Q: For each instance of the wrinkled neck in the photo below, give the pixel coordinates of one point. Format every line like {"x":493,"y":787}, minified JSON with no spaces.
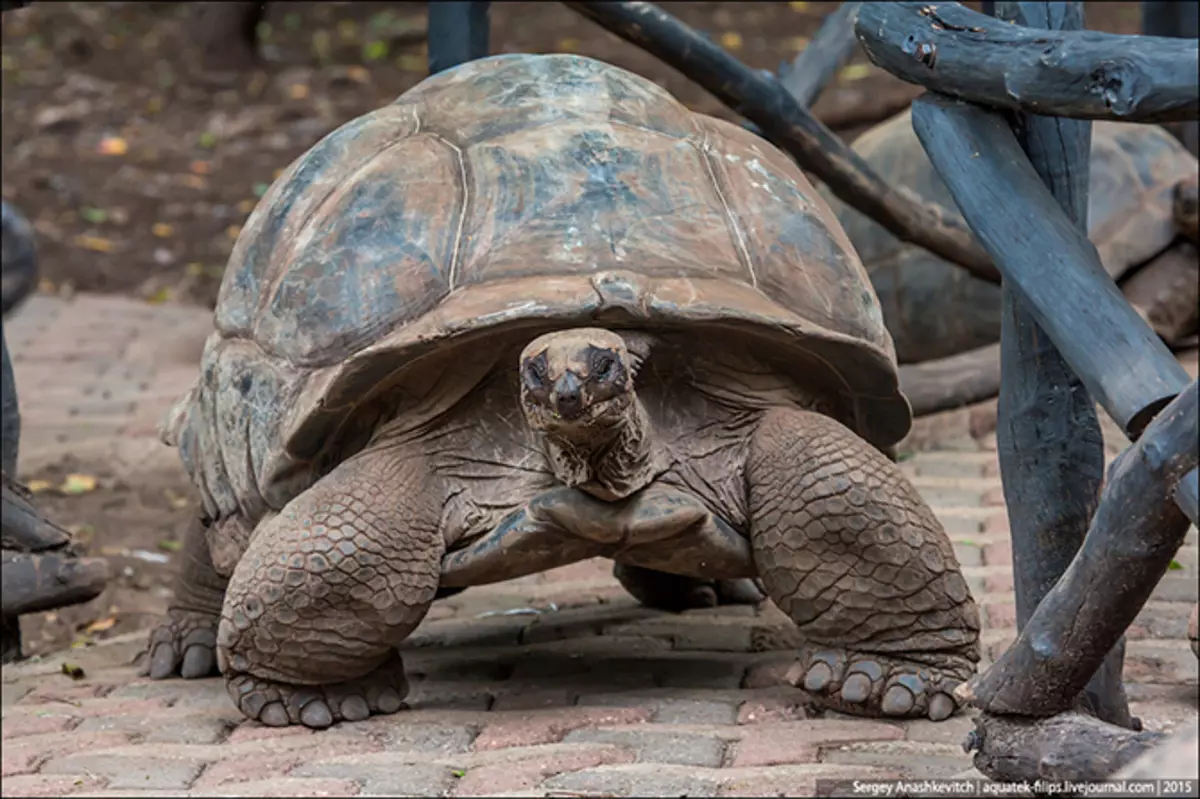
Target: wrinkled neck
{"x":609,"y":463}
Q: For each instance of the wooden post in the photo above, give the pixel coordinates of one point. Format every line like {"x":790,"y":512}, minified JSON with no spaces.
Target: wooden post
{"x":1049,"y":261}
{"x":1077,"y":74}
{"x":1136,"y":531}
{"x":458,"y":32}
{"x":1048,"y":437}
{"x":762,"y":100}
{"x":811,"y":71}
{"x":1182,"y":20}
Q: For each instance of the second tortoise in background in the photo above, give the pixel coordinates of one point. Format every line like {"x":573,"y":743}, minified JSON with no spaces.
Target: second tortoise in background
{"x":1145,"y":238}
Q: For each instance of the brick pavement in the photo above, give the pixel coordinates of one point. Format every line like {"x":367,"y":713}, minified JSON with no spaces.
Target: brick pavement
{"x":554,"y":684}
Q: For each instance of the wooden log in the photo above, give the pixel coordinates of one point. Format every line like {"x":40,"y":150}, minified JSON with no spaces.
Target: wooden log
{"x":1187,"y":496}
{"x":762,"y":100}
{"x":1173,"y":759}
{"x":1080,"y":74}
{"x":1136,"y":531}
{"x":1186,"y":209}
{"x":34,"y":582}
{"x":10,"y":413}
{"x":1048,"y":260}
{"x":832,"y":46}
{"x":22,"y":527}
{"x":1048,"y":438}
{"x":1070,"y":746}
{"x":943,"y":384}
{"x":458,"y":32}
{"x":1165,"y":292}
{"x":1180,"y":19}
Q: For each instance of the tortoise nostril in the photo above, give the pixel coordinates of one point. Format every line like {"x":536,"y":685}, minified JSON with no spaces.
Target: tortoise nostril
{"x":568,"y":395}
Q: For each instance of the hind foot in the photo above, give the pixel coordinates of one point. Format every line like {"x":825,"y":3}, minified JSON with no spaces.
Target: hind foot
{"x":278,"y":704}
{"x":868,"y":684}
{"x":184,"y":646}
{"x":674,"y":592}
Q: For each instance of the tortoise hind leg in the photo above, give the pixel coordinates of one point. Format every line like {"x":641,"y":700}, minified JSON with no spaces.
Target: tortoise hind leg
{"x":675,"y":593}
{"x":185,"y":644}
{"x":327,"y":590}
{"x":847,"y":548}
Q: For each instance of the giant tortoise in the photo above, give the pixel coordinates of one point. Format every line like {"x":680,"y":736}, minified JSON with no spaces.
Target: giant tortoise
{"x":536,"y":311}
{"x":934,"y":309}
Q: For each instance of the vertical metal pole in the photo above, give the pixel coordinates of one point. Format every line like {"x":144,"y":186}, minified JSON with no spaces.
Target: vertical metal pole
{"x":1180,"y":19}
{"x":1048,"y":436}
{"x":458,"y":32}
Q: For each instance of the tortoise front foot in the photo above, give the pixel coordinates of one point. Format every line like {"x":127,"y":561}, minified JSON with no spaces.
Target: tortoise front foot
{"x":864,"y":684}
{"x":675,"y":593}
{"x":278,"y":704}
{"x":847,"y":548}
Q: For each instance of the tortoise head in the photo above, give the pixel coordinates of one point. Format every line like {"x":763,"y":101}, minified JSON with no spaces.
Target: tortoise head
{"x":577,"y":383}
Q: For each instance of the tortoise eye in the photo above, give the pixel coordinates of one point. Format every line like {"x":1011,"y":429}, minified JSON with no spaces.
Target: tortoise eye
{"x":603,"y":366}
{"x":535,"y":374}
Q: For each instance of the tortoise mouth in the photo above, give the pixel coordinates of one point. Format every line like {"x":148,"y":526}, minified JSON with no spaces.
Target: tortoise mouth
{"x":584,"y":421}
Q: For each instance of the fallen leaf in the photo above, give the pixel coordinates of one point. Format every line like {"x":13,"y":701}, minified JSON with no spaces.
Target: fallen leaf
{"x":113,"y":145}
{"x":38,"y":486}
{"x":162,"y":230}
{"x":179,"y":502}
{"x":159,"y":297}
{"x":95,"y":216}
{"x":100,"y":625}
{"x":1175,"y":566}
{"x":568,"y":45}
{"x":855,"y":72}
{"x":375,"y":51}
{"x":193,"y":182}
{"x":201,"y":167}
{"x":154,"y":105}
{"x":94,"y":243}
{"x":233,"y":231}
{"x":275,"y":175}
{"x":358,"y":74}
{"x":78,"y":484}
{"x":246,"y":206}
{"x":798,"y":7}
{"x":73,"y":671}
{"x":170,"y":545}
{"x":347,"y":29}
{"x":207,"y":139}
{"x":798,"y":43}
{"x":731,"y":40}
{"x":298,"y":91}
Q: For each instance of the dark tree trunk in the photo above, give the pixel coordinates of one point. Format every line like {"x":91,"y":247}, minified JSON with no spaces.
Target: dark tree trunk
{"x":1179,"y":18}
{"x":811,"y":71}
{"x":458,"y":33}
{"x":228,"y":34}
{"x":1049,"y":261}
{"x":1048,"y":438}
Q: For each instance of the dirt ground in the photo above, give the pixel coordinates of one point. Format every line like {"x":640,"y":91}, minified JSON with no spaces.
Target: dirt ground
{"x":137,"y":169}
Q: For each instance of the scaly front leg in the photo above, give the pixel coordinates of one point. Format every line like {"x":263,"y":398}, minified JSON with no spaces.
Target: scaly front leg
{"x":848,"y":549}
{"x":328,"y":589}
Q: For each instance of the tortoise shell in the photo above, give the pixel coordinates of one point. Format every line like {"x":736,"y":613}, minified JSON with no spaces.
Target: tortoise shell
{"x":518,"y":192}
{"x":934,"y":309}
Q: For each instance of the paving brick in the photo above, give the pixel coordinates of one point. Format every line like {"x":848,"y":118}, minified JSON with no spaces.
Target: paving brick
{"x":696,"y":711}
{"x":638,"y":779}
{"x":768,"y":673}
{"x":997,"y":554}
{"x":11,"y":693}
{"x":771,"y":709}
{"x":999,"y":615}
{"x":659,"y":745}
{"x":384,"y":779}
{"x":155,"y":729}
{"x":398,"y":733}
{"x":25,"y":755}
{"x":800,"y":741}
{"x":910,"y":758}
{"x":67,"y":692}
{"x":291,"y":786}
{"x":551,"y":726}
{"x":50,"y":784}
{"x":244,"y":767}
{"x":17,"y":726}
{"x":532,"y":770}
{"x":948,"y":731}
{"x":253,"y":731}
{"x":796,"y":780}
{"x":144,"y":772}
